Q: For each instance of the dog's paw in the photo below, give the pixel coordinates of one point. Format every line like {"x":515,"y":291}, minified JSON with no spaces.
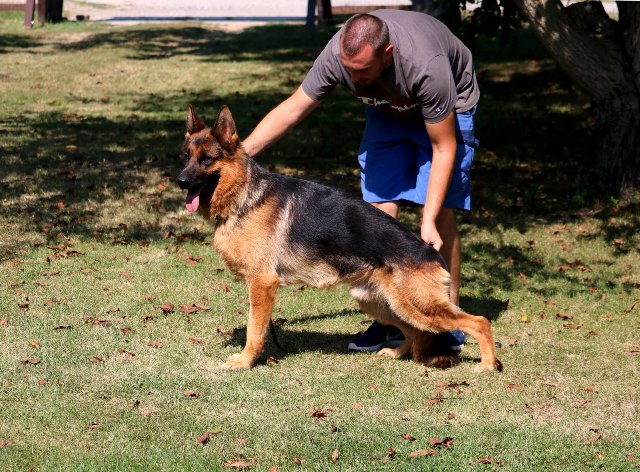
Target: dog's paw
{"x":393,"y":352}
{"x":237,"y":362}
{"x":488,"y":367}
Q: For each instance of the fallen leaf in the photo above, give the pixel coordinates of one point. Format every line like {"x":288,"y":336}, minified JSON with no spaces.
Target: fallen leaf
{"x":126,"y":330}
{"x":591,"y":389}
{"x":488,"y":461}
{"x":62,"y":327}
{"x":631,"y":308}
{"x":126,"y":354}
{"x":573,"y":325}
{"x":599,"y":455}
{"x":4,"y":322}
{"x":239,"y":463}
{"x":188,"y":309}
{"x":335,"y":455}
{"x":225,"y":287}
{"x":206,"y":436}
{"x":408,"y":437}
{"x":446,"y":442}
{"x":191,"y":393}
{"x":167,"y":308}
{"x":96,"y":359}
{"x":272,"y":361}
{"x":5,"y":443}
{"x":595,"y":437}
{"x":196,"y":341}
{"x":564,"y":316}
{"x":391,"y":453}
{"x":93,"y":425}
{"x":423,"y":453}
{"x":155,"y":344}
{"x":30,"y":361}
{"x":434,"y":401}
{"x":320,"y":413}
{"x":148,"y":412}
{"x":513,"y":386}
{"x":450,"y":416}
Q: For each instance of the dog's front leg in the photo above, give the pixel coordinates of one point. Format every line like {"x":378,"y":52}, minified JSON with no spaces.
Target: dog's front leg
{"x":262,"y":296}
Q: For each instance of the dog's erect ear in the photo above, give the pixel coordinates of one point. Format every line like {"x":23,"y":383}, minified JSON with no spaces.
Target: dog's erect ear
{"x":194,"y":123}
{"x":225,"y":130}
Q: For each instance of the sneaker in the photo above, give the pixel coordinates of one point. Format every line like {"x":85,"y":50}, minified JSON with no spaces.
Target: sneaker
{"x":453,"y":340}
{"x":376,"y":337}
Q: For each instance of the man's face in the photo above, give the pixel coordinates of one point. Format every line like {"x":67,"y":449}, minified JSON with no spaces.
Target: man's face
{"x":366,"y":67}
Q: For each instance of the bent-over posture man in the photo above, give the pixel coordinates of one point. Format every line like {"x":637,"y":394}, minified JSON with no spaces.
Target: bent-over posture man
{"x":419,"y":87}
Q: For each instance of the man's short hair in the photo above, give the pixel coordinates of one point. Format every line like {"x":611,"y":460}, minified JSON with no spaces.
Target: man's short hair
{"x":363,"y":29}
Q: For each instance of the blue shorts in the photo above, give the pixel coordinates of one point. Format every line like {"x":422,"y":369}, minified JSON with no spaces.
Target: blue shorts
{"x":395,"y":160}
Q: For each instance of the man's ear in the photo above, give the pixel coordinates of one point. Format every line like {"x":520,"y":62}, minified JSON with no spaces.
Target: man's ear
{"x":194,"y":123}
{"x":225,"y":130}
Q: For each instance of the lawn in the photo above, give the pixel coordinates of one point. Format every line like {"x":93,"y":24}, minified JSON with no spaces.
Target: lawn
{"x":115,"y":312}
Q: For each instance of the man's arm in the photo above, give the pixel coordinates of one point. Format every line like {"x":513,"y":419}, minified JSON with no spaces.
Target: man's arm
{"x":443,"y":142}
{"x":279,"y":121}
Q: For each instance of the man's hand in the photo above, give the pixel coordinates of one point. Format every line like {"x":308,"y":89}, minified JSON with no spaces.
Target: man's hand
{"x":429,"y":233}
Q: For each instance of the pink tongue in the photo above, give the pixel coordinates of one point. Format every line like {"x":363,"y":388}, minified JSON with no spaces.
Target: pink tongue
{"x":193,"y":201}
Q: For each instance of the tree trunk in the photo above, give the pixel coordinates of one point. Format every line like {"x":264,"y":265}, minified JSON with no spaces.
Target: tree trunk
{"x":602,"y":57}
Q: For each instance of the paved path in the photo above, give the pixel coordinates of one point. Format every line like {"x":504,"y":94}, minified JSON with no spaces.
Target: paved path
{"x":137,"y":11}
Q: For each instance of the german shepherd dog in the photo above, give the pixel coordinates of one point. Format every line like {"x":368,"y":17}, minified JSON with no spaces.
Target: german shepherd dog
{"x":274,"y":230}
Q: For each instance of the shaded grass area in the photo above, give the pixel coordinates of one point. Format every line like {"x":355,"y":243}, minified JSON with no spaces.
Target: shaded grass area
{"x":94,"y":242}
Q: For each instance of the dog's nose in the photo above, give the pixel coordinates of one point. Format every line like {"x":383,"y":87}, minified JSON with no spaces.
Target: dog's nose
{"x":184,"y":182}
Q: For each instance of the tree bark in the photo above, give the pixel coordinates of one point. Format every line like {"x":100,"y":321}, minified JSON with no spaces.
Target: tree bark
{"x":602,"y":57}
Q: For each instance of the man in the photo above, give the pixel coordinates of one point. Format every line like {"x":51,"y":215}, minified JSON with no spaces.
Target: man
{"x":419,"y":87}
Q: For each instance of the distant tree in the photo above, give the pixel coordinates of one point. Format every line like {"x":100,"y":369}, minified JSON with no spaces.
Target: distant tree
{"x":602,"y":56}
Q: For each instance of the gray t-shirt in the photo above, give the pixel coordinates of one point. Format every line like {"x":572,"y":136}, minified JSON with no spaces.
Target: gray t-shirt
{"x":432,"y":72}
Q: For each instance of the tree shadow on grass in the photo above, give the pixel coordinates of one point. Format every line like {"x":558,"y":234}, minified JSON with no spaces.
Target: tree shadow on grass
{"x":529,"y":169}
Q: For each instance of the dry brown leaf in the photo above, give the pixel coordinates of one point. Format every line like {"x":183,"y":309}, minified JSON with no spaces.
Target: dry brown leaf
{"x":191,"y":393}
{"x":155,"y":344}
{"x":447,"y":442}
{"x":204,"y":438}
{"x":148,"y":412}
{"x":167,"y":308}
{"x":240,"y":463}
{"x":320,"y":413}
{"x":335,"y":455}
{"x":272,"y":361}
{"x":423,"y":453}
{"x":391,"y":453}
{"x":595,"y":437}
{"x":30,"y":361}
{"x":488,"y":461}
{"x":573,"y":325}
{"x":96,"y":359}
{"x":408,"y":437}
{"x":125,"y":354}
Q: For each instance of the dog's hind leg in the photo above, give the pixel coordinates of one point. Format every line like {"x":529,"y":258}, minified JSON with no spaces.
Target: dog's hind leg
{"x":262,"y":296}
{"x":430,"y":310}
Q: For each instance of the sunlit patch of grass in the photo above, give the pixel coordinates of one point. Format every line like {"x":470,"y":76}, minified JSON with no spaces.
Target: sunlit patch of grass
{"x":95,"y":243}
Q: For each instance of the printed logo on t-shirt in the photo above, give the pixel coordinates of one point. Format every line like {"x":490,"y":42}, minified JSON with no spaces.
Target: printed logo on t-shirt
{"x":379,"y":103}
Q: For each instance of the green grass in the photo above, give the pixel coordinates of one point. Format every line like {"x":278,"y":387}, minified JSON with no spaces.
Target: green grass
{"x":94,"y":240}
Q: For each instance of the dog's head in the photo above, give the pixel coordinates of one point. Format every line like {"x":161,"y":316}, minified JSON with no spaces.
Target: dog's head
{"x":206,"y":150}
